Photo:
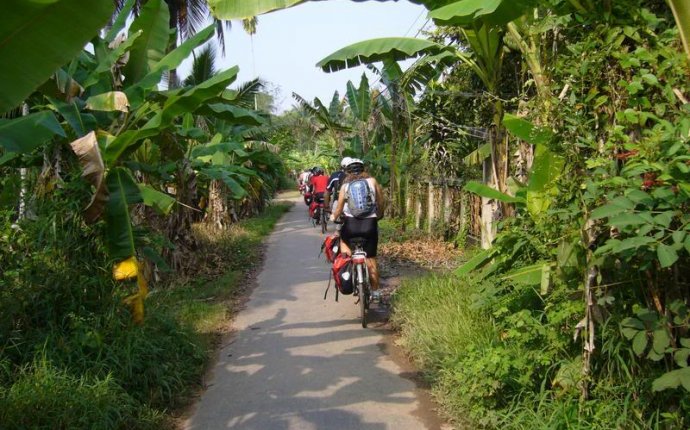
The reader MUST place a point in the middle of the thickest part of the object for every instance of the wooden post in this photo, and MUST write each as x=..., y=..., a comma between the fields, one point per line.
x=447, y=203
x=418, y=208
x=464, y=202
x=431, y=209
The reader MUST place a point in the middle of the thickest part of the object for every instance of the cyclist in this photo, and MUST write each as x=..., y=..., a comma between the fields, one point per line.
x=303, y=180
x=318, y=183
x=365, y=225
x=333, y=189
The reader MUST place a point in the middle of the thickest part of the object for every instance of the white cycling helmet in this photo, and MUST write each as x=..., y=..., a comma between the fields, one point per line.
x=345, y=161
x=355, y=165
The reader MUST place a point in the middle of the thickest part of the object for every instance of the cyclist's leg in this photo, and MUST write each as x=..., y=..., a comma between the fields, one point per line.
x=373, y=266
x=371, y=231
x=345, y=236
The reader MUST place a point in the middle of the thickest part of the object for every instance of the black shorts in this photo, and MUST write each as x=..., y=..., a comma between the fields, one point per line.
x=366, y=228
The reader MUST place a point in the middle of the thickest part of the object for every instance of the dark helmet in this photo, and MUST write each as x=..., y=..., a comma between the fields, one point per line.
x=317, y=170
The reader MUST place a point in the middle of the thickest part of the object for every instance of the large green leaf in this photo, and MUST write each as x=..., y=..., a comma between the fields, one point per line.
x=464, y=13
x=149, y=48
x=526, y=131
x=122, y=192
x=373, y=50
x=667, y=255
x=224, y=174
x=106, y=61
x=477, y=156
x=180, y=102
x=541, y=187
x=359, y=98
x=161, y=202
x=528, y=275
x=24, y=134
x=81, y=122
x=488, y=192
x=475, y=262
x=231, y=114
x=242, y=9
x=39, y=36
x=108, y=102
x=136, y=91
x=673, y=379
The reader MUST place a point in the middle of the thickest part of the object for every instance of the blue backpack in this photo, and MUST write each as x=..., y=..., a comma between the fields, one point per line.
x=360, y=199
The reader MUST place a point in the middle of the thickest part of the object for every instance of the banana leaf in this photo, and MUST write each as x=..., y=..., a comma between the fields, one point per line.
x=488, y=192
x=383, y=49
x=38, y=37
x=359, y=99
x=161, y=202
x=24, y=134
x=107, y=61
x=136, y=91
x=122, y=192
x=476, y=262
x=150, y=47
x=527, y=131
x=243, y=9
x=465, y=13
x=180, y=102
x=108, y=102
x=528, y=275
x=541, y=186
x=231, y=114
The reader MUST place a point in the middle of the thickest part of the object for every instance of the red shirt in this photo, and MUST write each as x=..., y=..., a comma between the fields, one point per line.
x=319, y=183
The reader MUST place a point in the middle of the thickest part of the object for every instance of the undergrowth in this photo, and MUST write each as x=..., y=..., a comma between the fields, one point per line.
x=493, y=365
x=70, y=356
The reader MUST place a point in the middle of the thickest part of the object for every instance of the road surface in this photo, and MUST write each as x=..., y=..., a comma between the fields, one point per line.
x=298, y=362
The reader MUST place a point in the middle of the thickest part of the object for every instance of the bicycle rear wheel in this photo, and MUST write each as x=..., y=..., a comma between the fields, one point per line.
x=324, y=220
x=363, y=295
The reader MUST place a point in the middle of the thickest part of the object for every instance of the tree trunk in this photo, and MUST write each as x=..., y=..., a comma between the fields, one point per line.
x=217, y=213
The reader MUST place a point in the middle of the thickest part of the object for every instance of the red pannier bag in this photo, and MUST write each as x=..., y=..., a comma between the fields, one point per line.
x=331, y=247
x=342, y=273
x=308, y=198
x=312, y=209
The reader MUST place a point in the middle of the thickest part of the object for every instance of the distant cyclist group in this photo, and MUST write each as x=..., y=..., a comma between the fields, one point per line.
x=355, y=202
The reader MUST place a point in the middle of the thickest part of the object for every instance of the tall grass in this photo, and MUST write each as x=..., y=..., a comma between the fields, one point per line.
x=70, y=356
x=493, y=367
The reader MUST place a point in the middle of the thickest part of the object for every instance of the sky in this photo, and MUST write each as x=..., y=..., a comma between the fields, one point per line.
x=290, y=42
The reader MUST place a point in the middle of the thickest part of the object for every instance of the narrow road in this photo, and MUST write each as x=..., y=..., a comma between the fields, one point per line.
x=299, y=362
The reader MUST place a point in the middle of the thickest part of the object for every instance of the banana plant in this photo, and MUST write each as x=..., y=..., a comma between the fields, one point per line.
x=389, y=51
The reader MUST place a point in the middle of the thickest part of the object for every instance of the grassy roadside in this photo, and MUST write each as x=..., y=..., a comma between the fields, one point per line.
x=70, y=356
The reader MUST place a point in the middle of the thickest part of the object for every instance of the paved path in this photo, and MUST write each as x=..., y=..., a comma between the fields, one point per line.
x=299, y=362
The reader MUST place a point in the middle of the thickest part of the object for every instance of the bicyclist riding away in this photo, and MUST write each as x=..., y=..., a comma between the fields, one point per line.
x=318, y=184
x=361, y=202
x=334, y=183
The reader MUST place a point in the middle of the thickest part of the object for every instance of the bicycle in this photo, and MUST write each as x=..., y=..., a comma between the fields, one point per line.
x=319, y=216
x=360, y=278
